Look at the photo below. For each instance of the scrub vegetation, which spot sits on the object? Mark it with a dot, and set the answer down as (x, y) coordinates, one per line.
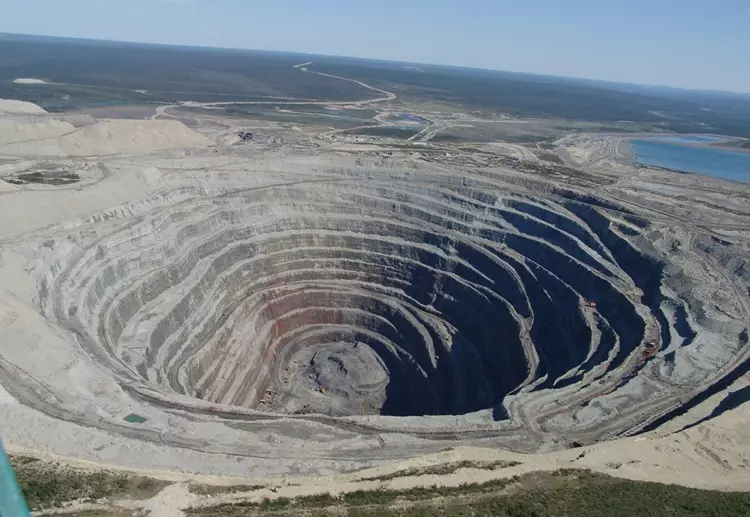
(49, 484)
(563, 493)
(86, 73)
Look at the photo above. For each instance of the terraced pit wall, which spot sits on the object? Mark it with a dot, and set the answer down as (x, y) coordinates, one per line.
(352, 296)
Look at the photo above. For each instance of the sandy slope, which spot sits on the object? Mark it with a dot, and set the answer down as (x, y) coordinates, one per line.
(714, 455)
(105, 138)
(13, 106)
(37, 130)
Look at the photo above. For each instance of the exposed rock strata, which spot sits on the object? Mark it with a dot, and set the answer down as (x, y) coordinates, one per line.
(355, 297)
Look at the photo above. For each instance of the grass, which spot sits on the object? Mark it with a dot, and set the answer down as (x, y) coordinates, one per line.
(444, 469)
(563, 493)
(49, 484)
(736, 144)
(386, 131)
(448, 138)
(351, 499)
(113, 512)
(211, 490)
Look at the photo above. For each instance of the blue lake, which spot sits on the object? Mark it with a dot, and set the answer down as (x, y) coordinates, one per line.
(700, 160)
(691, 139)
(408, 117)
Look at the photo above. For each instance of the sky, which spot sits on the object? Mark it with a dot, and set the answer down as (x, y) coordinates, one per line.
(703, 44)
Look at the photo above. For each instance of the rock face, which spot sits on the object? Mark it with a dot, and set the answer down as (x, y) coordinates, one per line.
(355, 297)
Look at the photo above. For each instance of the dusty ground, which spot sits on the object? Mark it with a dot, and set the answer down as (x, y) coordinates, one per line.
(91, 334)
(710, 456)
(9, 107)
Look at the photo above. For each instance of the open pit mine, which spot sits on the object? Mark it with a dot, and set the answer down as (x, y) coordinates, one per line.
(318, 313)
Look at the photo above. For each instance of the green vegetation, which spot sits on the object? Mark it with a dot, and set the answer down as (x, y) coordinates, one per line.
(447, 138)
(527, 96)
(386, 131)
(319, 109)
(358, 498)
(563, 493)
(112, 512)
(48, 484)
(211, 490)
(90, 73)
(735, 144)
(445, 469)
(292, 117)
(566, 493)
(524, 138)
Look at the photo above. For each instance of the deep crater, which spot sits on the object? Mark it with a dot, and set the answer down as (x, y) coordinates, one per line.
(361, 297)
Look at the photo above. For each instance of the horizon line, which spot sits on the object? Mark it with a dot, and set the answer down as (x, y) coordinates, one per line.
(381, 60)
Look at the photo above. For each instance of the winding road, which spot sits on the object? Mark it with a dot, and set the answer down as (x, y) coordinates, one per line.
(303, 67)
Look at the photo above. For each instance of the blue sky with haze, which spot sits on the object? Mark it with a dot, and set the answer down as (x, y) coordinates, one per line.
(688, 43)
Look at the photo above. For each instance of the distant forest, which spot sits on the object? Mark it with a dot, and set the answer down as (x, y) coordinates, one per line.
(526, 95)
(91, 73)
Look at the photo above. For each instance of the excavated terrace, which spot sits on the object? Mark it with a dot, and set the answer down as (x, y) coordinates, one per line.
(340, 298)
